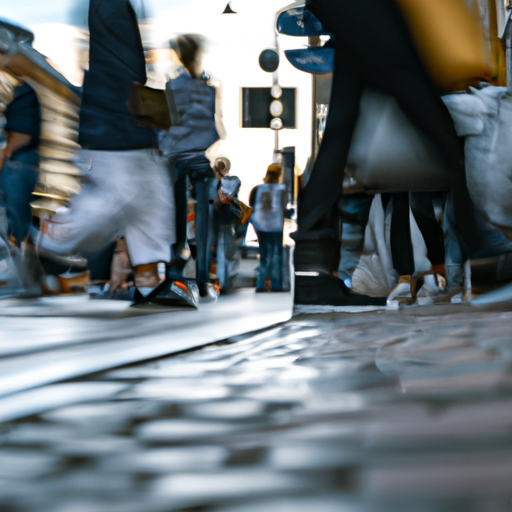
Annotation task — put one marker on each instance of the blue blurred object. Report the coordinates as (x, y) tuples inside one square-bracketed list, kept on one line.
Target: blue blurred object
[(300, 22), (318, 60)]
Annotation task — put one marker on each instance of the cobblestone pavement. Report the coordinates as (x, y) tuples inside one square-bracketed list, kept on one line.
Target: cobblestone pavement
[(383, 412)]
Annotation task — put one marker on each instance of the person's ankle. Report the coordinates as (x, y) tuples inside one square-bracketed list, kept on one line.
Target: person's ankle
[(146, 276)]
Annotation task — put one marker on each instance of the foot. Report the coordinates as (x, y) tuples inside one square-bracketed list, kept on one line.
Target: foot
[(326, 290), (169, 293), (146, 278), (401, 293), (207, 292)]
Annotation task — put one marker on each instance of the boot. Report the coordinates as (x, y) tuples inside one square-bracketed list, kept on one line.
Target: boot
[(316, 266)]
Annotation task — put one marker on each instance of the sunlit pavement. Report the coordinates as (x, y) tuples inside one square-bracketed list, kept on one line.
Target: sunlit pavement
[(378, 411)]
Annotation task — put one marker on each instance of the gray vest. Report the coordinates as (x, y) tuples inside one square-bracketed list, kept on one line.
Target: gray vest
[(269, 206), (192, 106)]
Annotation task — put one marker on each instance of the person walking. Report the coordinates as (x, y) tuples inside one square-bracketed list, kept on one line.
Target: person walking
[(268, 202), (20, 159), (373, 51), (126, 190), (193, 106)]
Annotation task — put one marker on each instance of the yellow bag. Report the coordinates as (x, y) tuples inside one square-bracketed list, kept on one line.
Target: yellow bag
[(450, 38)]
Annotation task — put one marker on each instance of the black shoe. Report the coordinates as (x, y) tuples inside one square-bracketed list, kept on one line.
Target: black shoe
[(203, 289), (321, 255), (327, 290), (170, 293)]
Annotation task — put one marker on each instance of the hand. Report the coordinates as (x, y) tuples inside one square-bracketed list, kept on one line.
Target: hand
[(16, 141), (224, 198)]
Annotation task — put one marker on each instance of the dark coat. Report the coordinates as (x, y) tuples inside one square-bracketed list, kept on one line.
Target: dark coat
[(116, 61)]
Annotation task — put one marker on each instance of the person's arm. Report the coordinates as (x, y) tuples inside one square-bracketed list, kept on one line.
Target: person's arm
[(288, 212), (252, 197), (16, 141)]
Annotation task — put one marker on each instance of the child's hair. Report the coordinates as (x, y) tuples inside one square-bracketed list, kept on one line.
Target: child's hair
[(274, 173)]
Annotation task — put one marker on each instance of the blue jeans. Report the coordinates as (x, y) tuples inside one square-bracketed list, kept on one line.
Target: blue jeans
[(271, 260), (17, 182), (493, 241)]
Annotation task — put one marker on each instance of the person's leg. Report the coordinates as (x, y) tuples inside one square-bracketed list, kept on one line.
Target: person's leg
[(180, 199), (149, 220), (355, 211), (92, 222), (318, 199), (400, 237), (423, 210), (202, 188), (261, 285), (17, 182), (276, 274)]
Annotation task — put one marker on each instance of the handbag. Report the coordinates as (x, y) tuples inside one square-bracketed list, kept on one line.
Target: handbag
[(388, 153), (451, 41)]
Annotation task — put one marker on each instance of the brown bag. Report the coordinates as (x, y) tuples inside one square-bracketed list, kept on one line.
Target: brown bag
[(149, 107), (450, 39), (246, 212)]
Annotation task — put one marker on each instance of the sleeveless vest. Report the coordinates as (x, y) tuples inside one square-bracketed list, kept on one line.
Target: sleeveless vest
[(268, 211), (192, 105)]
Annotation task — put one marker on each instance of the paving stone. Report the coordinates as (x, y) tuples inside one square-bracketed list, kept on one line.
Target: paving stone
[(167, 460), (181, 430), (375, 412)]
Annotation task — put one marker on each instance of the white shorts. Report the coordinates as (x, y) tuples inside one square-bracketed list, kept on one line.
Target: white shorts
[(125, 193)]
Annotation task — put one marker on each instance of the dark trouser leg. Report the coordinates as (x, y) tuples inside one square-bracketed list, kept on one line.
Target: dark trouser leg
[(423, 210), (263, 244), (319, 227), (276, 262), (180, 198), (401, 244), (202, 187), (17, 182), (325, 185)]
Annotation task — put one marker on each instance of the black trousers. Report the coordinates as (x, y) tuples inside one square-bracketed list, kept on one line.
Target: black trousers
[(200, 175), (374, 49), (421, 204)]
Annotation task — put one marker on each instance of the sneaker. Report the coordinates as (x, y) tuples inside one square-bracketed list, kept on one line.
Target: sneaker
[(207, 292), (401, 293)]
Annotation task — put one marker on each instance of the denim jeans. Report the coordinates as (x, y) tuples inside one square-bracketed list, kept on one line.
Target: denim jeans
[(17, 182), (271, 260), (200, 174)]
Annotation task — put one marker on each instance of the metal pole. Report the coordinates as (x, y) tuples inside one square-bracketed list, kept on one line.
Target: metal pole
[(314, 41), (508, 44)]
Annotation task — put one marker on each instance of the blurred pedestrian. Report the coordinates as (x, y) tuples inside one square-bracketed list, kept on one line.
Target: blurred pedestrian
[(230, 221), (193, 107), (127, 189), (374, 51), (19, 172), (268, 202)]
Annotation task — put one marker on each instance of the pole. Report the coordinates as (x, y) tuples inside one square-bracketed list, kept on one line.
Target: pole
[(508, 45)]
